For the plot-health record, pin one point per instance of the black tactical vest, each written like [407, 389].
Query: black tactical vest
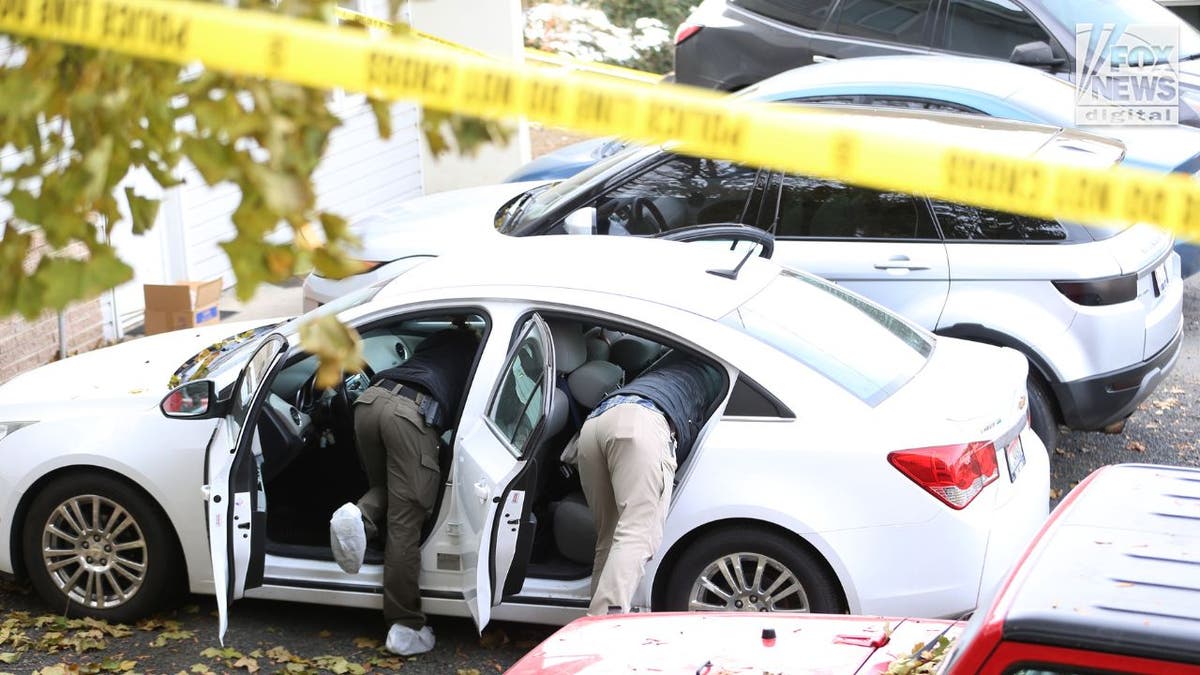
[683, 388]
[439, 365]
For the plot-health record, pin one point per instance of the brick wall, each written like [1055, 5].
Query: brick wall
[25, 345]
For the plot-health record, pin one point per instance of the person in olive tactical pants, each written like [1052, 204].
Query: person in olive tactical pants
[626, 455]
[398, 422]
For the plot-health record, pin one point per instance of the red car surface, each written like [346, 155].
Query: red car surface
[1110, 585]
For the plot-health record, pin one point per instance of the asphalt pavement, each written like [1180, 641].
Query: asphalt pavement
[289, 637]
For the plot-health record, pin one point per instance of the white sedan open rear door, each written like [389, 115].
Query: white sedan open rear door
[233, 500]
[490, 456]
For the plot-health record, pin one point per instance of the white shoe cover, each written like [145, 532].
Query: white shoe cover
[405, 641]
[348, 538]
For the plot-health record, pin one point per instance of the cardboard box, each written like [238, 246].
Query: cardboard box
[182, 305]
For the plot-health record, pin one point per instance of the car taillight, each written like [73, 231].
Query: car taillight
[685, 31]
[955, 474]
[1096, 292]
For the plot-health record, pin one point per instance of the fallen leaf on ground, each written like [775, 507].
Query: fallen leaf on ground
[493, 638]
[280, 654]
[164, 636]
[325, 634]
[366, 643]
[1055, 494]
[248, 663]
[1135, 446]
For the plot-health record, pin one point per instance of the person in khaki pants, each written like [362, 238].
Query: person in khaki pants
[626, 455]
[398, 422]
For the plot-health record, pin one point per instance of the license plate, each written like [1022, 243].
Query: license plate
[1015, 454]
[1160, 279]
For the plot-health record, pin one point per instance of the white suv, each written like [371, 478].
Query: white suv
[1098, 312]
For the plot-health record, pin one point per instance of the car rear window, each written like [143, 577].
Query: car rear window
[861, 347]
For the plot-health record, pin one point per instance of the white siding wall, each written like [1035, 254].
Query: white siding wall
[360, 172]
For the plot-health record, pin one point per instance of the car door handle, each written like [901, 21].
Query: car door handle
[823, 58]
[899, 262]
[482, 491]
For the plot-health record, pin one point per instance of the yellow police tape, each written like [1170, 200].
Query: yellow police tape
[784, 137]
[534, 56]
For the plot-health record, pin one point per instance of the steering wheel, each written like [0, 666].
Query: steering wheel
[309, 397]
[642, 206]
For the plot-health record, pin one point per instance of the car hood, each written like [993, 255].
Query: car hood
[433, 224]
[703, 642]
[130, 373]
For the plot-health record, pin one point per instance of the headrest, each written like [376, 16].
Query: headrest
[594, 380]
[569, 349]
[559, 407]
[597, 349]
[633, 353]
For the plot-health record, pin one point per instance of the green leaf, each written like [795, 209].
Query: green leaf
[25, 206]
[9, 657]
[143, 211]
[383, 117]
[95, 167]
[337, 346]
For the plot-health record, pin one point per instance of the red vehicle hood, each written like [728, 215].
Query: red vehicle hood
[729, 643]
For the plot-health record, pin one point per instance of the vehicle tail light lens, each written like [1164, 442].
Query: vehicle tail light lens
[685, 31]
[1096, 292]
[955, 474]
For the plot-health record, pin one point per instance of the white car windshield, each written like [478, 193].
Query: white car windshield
[222, 360]
[861, 347]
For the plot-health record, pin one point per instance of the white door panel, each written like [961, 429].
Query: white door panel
[490, 457]
[229, 501]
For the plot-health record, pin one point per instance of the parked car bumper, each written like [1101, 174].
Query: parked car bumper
[1096, 402]
[963, 554]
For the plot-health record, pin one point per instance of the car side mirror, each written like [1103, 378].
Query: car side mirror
[1036, 55]
[191, 401]
[581, 221]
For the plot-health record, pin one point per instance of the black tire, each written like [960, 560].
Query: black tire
[819, 590]
[1041, 414]
[133, 532]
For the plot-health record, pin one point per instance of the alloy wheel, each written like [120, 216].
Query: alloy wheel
[748, 582]
[94, 551]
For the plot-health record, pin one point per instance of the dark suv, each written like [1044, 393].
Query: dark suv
[729, 44]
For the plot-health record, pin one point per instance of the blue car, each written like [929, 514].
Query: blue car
[939, 83]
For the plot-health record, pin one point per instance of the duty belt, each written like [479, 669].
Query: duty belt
[430, 411]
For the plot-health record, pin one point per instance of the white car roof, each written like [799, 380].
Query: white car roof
[663, 272]
[999, 78]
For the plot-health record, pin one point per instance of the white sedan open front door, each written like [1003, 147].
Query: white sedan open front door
[490, 460]
[234, 502]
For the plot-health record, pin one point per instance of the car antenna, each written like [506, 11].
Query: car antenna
[733, 273]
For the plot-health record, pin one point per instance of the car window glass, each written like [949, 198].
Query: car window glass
[900, 21]
[919, 104]
[802, 13]
[990, 28]
[812, 207]
[968, 222]
[680, 192]
[860, 346]
[518, 405]
[522, 215]
[826, 100]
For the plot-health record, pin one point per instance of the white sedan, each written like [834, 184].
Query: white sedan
[854, 462]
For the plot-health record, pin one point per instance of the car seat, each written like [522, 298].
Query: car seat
[571, 520]
[633, 354]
